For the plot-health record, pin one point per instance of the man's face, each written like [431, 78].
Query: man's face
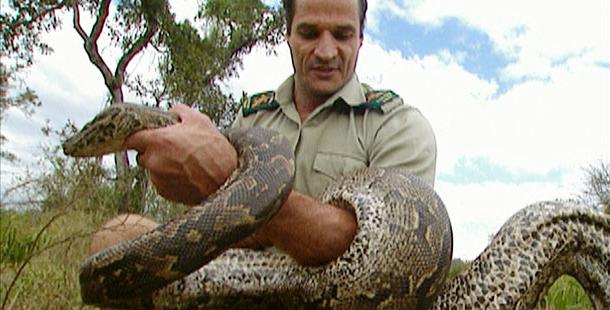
[324, 41]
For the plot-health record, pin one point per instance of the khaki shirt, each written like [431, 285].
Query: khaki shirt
[345, 133]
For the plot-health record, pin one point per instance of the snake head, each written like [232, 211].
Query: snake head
[106, 132]
[97, 137]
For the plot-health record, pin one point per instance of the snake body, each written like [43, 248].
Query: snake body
[177, 248]
[535, 246]
[398, 259]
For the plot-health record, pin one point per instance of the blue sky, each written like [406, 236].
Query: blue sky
[517, 93]
[474, 47]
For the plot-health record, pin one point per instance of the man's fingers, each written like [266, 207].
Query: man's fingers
[142, 139]
[138, 141]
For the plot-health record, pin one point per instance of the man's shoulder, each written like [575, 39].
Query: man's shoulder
[384, 100]
[258, 102]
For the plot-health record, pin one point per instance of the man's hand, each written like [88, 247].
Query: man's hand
[187, 161]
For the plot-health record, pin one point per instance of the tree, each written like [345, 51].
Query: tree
[21, 24]
[192, 62]
[597, 183]
[191, 66]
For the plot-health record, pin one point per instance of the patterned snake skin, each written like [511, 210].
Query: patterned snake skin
[398, 259]
[532, 249]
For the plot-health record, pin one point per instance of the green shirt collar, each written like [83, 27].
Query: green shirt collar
[351, 93]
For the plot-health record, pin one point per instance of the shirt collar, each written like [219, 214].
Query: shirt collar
[351, 93]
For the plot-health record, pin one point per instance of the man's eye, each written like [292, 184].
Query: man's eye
[343, 35]
[308, 33]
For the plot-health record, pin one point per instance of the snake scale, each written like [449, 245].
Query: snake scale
[398, 259]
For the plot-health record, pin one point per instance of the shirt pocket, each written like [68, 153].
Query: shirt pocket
[333, 165]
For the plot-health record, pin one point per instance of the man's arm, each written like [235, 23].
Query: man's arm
[310, 232]
[192, 159]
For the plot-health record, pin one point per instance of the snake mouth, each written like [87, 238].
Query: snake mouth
[68, 148]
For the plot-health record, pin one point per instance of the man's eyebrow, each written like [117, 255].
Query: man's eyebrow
[341, 28]
[345, 28]
[303, 26]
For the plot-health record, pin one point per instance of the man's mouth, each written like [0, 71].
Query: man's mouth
[323, 71]
[324, 67]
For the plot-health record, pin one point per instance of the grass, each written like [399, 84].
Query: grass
[46, 249]
[566, 294]
[47, 274]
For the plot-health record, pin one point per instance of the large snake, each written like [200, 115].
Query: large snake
[398, 259]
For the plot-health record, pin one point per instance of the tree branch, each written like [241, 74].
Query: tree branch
[90, 44]
[35, 18]
[76, 22]
[244, 46]
[136, 47]
[102, 15]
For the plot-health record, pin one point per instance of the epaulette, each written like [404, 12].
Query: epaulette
[261, 101]
[383, 100]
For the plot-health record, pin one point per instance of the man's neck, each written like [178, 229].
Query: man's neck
[306, 103]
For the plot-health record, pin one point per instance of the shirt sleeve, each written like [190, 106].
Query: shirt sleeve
[405, 139]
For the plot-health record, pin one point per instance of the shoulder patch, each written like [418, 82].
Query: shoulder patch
[379, 99]
[261, 101]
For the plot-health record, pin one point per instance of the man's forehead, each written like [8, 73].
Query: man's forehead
[346, 8]
[317, 12]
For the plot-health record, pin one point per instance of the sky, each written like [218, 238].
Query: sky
[517, 92]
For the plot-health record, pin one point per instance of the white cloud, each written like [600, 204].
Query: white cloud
[535, 127]
[558, 118]
[534, 33]
[185, 9]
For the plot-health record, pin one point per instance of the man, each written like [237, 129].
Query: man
[334, 123]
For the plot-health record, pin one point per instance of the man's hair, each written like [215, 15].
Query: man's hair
[289, 8]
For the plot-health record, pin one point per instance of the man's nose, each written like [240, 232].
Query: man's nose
[326, 49]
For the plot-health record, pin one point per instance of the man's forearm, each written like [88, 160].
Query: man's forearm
[311, 232]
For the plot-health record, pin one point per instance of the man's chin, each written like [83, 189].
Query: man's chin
[325, 88]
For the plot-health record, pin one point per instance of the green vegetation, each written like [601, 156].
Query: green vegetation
[46, 275]
[567, 293]
[41, 250]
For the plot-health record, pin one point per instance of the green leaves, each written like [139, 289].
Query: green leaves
[21, 24]
[201, 55]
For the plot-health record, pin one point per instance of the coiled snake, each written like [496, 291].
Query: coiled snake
[398, 259]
